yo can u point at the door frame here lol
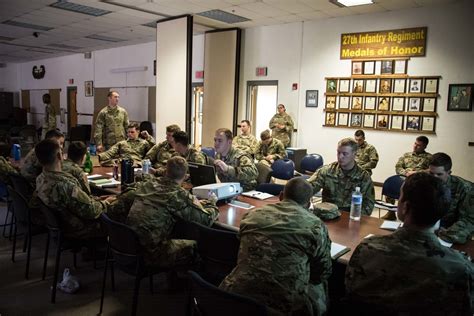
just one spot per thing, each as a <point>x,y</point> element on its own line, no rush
<point>250,84</point>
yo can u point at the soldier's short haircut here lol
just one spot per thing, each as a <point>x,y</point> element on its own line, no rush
<point>181,137</point>
<point>359,133</point>
<point>172,128</point>
<point>5,150</point>
<point>298,190</point>
<point>111,93</point>
<point>176,167</point>
<point>54,133</point>
<point>441,160</point>
<point>282,105</point>
<point>423,139</point>
<point>76,151</point>
<point>46,151</point>
<point>265,135</point>
<point>427,198</point>
<point>245,121</point>
<point>227,132</point>
<point>134,125</point>
<point>348,142</point>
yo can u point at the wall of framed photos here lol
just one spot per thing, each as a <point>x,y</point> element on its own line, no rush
<point>390,100</point>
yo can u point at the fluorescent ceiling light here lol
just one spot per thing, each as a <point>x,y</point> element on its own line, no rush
<point>351,3</point>
<point>79,8</point>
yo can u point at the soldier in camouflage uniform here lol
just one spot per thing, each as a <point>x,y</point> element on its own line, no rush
<point>111,123</point>
<point>339,179</point>
<point>133,148</point>
<point>245,141</point>
<point>6,168</point>
<point>31,168</point>
<point>77,211</point>
<point>415,161</point>
<point>366,156</point>
<point>425,278</point>
<point>232,164</point>
<point>284,258</point>
<point>182,148</point>
<point>458,224</point>
<point>49,116</point>
<point>76,152</point>
<point>161,152</point>
<point>282,125</point>
<point>269,149</point>
<point>158,205</point>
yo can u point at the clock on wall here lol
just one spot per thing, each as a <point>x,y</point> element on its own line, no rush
<point>38,72</point>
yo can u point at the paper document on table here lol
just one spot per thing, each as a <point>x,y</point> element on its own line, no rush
<point>445,243</point>
<point>337,250</point>
<point>390,225</point>
<point>94,176</point>
<point>105,182</point>
<point>257,195</point>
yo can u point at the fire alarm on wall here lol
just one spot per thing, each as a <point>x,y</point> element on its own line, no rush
<point>295,86</point>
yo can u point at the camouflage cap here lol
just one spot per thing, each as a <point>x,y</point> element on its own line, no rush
<point>326,210</point>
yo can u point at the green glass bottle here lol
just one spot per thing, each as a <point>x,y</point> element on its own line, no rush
<point>88,163</point>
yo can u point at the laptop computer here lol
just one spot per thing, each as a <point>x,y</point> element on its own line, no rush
<point>201,174</point>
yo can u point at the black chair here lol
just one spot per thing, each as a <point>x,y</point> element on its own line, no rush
<point>208,300</point>
<point>270,188</point>
<point>391,190</point>
<point>209,151</point>
<point>283,169</point>
<point>4,195</point>
<point>125,251</point>
<point>311,162</point>
<point>23,225</point>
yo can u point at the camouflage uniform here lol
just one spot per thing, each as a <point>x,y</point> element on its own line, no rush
<point>159,155</point>
<point>31,168</point>
<point>5,170</point>
<point>77,211</point>
<point>459,221</point>
<point>241,169</point>
<point>192,155</point>
<point>158,204</point>
<point>247,144</point>
<point>425,278</point>
<point>49,120</point>
<point>412,162</point>
<point>284,260</point>
<point>283,134</point>
<point>111,126</point>
<point>338,187</point>
<point>134,149</point>
<point>275,148</point>
<point>367,157</point>
<point>76,171</point>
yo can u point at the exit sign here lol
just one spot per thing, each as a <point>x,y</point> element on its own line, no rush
<point>261,71</point>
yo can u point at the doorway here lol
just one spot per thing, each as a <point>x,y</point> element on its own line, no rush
<point>262,97</point>
<point>196,114</point>
<point>71,108</point>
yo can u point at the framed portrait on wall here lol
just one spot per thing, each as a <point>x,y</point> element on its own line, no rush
<point>343,119</point>
<point>384,104</point>
<point>330,119</point>
<point>344,102</point>
<point>369,103</point>
<point>369,120</point>
<point>397,122</point>
<point>311,98</point>
<point>330,102</point>
<point>369,67</point>
<point>429,104</point>
<point>382,121</point>
<point>371,85</point>
<point>358,86</point>
<point>357,67</point>
<point>89,88</point>
<point>385,85</point>
<point>398,104</point>
<point>428,124</point>
<point>331,85</point>
<point>415,86</point>
<point>386,67</point>
<point>460,97</point>
<point>413,123</point>
<point>399,85</point>
<point>356,120</point>
<point>357,103</point>
<point>400,66</point>
<point>344,85</point>
<point>414,104</point>
<point>431,85</point>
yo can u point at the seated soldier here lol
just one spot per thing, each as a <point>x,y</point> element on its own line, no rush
<point>366,156</point>
<point>76,153</point>
<point>458,224</point>
<point>158,204</point>
<point>339,179</point>
<point>6,168</point>
<point>77,211</point>
<point>269,149</point>
<point>425,277</point>
<point>161,152</point>
<point>133,148</point>
<point>284,258</point>
<point>245,141</point>
<point>232,164</point>
<point>31,168</point>
<point>181,146</point>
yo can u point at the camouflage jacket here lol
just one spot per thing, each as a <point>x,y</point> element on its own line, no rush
<point>159,154</point>
<point>158,204</point>
<point>410,273</point>
<point>283,134</point>
<point>31,168</point>
<point>49,118</point>
<point>284,260</point>
<point>459,221</point>
<point>77,211</point>
<point>76,171</point>
<point>111,126</point>
<point>241,169</point>
<point>134,149</point>
<point>247,144</point>
<point>412,162</point>
<point>367,157</point>
<point>5,170</point>
<point>192,155</point>
<point>275,148</point>
<point>338,187</point>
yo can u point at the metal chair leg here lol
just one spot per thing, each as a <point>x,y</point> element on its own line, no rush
<point>14,245</point>
<point>135,295</point>
<point>28,256</point>
<point>46,252</point>
<point>56,269</point>
<point>104,281</point>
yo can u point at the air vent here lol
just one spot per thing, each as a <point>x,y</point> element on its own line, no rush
<point>64,46</point>
<point>28,25</point>
<point>105,38</point>
<point>223,16</point>
<point>79,8</point>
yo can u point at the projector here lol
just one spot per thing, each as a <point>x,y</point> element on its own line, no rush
<point>221,190</point>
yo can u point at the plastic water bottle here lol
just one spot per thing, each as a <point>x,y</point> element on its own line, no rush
<point>93,149</point>
<point>146,166</point>
<point>17,152</point>
<point>356,205</point>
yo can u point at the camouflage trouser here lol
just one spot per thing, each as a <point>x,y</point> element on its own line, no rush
<point>318,295</point>
<point>265,162</point>
<point>172,253</point>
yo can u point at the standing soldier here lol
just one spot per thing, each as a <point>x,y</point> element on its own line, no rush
<point>281,125</point>
<point>111,124</point>
<point>49,116</point>
<point>366,156</point>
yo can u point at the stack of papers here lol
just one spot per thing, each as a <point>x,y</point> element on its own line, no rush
<point>104,182</point>
<point>257,195</point>
<point>94,176</point>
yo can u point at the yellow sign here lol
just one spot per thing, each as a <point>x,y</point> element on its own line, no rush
<point>384,44</point>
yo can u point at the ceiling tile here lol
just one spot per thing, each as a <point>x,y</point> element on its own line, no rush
<point>264,9</point>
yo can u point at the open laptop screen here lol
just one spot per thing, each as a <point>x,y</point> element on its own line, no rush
<point>201,174</point>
